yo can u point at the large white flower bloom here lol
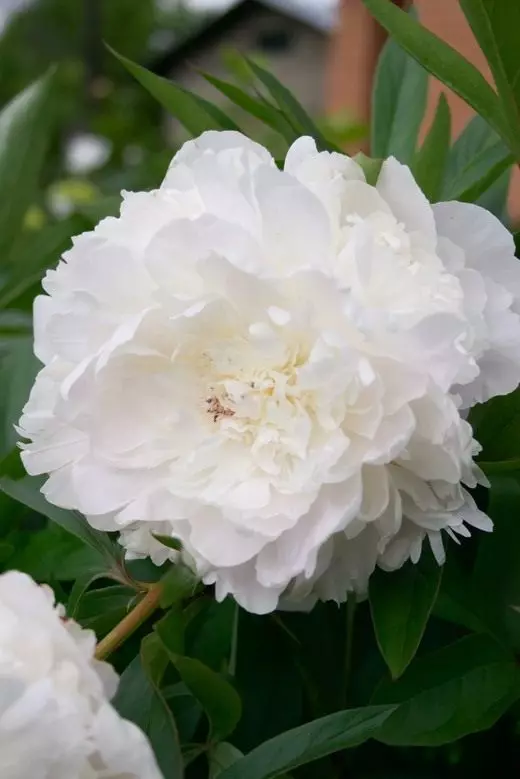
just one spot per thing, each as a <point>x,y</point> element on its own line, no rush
<point>55,718</point>
<point>259,363</point>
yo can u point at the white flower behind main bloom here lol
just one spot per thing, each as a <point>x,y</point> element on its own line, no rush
<point>56,721</point>
<point>267,365</point>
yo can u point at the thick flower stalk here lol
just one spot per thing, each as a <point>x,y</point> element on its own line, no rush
<point>56,721</point>
<point>271,365</point>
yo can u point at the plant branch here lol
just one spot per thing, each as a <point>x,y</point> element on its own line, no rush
<point>130,623</point>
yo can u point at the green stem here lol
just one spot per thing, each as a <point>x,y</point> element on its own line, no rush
<point>131,622</point>
<point>349,646</point>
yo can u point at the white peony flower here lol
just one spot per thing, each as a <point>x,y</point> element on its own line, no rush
<point>55,718</point>
<point>259,363</point>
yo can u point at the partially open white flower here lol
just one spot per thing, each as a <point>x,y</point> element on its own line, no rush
<point>56,721</point>
<point>259,363</point>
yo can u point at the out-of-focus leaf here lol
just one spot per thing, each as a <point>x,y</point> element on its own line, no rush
<point>398,104</point>
<point>476,160</point>
<point>495,26</point>
<point>100,208</point>
<point>25,128</point>
<point>196,114</point>
<point>222,756</point>
<point>431,158</point>
<point>441,60</point>
<point>27,491</point>
<point>37,252</point>
<point>266,113</point>
<point>497,428</point>
<point>401,603</point>
<point>18,369</point>
<point>265,665</point>
<point>309,742</point>
<point>52,554</point>
<point>445,695</point>
<point>494,199</point>
<point>290,107</point>
<point>496,577</point>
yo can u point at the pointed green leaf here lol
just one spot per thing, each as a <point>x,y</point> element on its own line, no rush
<point>309,742</point>
<point>268,114</point>
<point>445,695</point>
<point>430,161</point>
<point>400,603</point>
<point>196,114</point>
<point>495,24</point>
<point>140,700</point>
<point>217,697</point>
<point>25,129</point>
<point>441,60</point>
<point>171,543</point>
<point>290,107</point>
<point>398,103</point>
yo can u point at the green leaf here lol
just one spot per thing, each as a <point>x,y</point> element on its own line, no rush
<point>38,251</point>
<point>51,554</point>
<point>260,109</point>
<point>445,695</point>
<point>401,602</point>
<point>18,369</point>
<point>476,160</point>
<point>171,543</point>
<point>309,742</point>
<point>495,198</point>
<point>27,491</point>
<point>222,756</point>
<point>139,700</point>
<point>170,630</point>
<point>25,129</point>
<point>495,25</point>
<point>290,107</point>
<point>441,60</point>
<point>497,427</point>
<point>430,162</point>
<point>398,104</point>
<point>458,602</point>
<point>100,610</point>
<point>217,697</point>
<point>196,114</point>
<point>371,167</point>
<point>178,582</point>
<point>81,586</point>
<point>496,577</point>
<point>209,631</point>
